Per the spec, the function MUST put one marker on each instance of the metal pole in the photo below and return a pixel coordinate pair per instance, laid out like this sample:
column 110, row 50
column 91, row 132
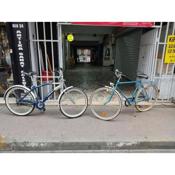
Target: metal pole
column 53, row 61
column 31, row 32
column 163, row 55
column 156, row 49
column 60, row 48
column 45, row 53
column 39, row 55
column 172, row 71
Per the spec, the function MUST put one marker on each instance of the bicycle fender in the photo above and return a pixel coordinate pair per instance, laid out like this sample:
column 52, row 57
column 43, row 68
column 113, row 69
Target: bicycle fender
column 70, row 87
column 21, row 87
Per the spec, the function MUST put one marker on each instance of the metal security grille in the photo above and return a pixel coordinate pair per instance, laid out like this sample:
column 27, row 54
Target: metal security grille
column 47, row 55
column 164, row 74
column 46, row 52
column 151, row 58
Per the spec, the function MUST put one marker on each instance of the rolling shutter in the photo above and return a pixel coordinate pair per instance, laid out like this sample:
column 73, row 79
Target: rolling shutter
column 127, row 53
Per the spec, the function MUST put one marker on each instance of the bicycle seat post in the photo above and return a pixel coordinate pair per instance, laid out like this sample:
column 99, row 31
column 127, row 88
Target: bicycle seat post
column 30, row 74
column 32, row 79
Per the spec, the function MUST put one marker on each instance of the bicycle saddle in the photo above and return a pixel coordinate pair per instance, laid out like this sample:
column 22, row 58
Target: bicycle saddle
column 118, row 73
column 142, row 76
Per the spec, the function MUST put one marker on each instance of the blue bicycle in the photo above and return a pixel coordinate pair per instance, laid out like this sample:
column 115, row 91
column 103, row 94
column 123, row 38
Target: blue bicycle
column 106, row 102
column 21, row 101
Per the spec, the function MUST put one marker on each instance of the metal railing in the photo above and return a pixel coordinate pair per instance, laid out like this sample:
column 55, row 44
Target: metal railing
column 163, row 73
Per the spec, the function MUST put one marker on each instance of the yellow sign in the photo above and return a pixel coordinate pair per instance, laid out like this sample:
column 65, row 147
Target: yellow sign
column 70, row 37
column 170, row 50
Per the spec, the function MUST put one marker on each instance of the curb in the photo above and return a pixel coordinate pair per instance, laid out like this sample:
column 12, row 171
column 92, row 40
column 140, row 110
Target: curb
column 85, row 146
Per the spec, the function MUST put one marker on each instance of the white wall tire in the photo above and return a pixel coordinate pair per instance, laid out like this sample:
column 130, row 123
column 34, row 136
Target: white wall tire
column 145, row 105
column 103, row 110
column 11, row 102
column 76, row 105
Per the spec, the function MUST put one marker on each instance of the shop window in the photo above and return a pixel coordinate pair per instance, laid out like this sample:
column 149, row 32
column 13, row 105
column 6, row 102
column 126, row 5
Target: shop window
column 6, row 77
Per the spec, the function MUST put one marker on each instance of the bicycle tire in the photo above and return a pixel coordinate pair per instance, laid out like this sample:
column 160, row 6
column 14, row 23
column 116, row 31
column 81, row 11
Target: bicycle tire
column 98, row 104
column 9, row 101
column 145, row 105
column 82, row 101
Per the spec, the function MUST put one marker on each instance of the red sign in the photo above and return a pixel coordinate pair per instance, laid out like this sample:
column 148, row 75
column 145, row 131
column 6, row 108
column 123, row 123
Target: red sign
column 118, row 24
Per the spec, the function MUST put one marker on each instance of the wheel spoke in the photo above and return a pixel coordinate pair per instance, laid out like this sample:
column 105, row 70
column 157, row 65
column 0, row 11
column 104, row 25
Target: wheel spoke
column 73, row 103
column 146, row 98
column 105, row 104
column 19, row 101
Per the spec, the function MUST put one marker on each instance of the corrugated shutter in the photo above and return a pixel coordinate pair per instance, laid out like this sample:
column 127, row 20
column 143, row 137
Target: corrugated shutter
column 127, row 53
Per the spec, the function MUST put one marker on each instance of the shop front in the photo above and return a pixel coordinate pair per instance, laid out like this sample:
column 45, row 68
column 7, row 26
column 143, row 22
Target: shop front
column 6, row 73
column 88, row 60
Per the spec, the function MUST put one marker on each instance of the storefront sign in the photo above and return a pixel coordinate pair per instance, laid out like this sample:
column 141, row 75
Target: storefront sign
column 19, row 42
column 170, row 50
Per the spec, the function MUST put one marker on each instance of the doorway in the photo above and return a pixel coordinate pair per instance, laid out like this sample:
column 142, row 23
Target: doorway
column 91, row 59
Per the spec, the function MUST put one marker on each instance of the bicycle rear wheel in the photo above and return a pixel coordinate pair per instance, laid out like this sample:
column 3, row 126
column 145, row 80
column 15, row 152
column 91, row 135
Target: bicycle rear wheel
column 105, row 103
column 19, row 100
column 146, row 98
column 73, row 103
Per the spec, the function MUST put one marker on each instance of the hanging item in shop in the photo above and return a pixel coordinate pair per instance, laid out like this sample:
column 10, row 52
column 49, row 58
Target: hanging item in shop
column 70, row 37
column 170, row 50
column 107, row 52
column 19, row 43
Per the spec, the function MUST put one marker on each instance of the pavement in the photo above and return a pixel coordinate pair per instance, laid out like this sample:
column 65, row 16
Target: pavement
column 131, row 131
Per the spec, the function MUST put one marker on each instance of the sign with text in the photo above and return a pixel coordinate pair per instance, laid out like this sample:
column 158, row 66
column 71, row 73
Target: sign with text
column 20, row 57
column 170, row 50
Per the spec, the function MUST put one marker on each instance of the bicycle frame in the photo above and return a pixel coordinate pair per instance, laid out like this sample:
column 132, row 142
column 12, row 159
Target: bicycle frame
column 37, row 100
column 130, row 100
column 34, row 89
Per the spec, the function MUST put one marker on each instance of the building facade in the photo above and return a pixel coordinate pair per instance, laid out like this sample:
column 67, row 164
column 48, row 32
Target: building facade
column 43, row 47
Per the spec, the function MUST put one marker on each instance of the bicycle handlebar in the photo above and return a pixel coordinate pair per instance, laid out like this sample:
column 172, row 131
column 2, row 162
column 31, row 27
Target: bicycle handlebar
column 30, row 74
column 117, row 73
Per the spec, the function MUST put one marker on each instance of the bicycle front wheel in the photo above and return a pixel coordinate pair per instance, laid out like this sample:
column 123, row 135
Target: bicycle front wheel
column 19, row 100
column 73, row 103
column 146, row 98
column 105, row 103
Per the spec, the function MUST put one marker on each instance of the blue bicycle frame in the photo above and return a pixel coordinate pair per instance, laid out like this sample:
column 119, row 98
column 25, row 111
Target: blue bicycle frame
column 130, row 100
column 37, row 101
